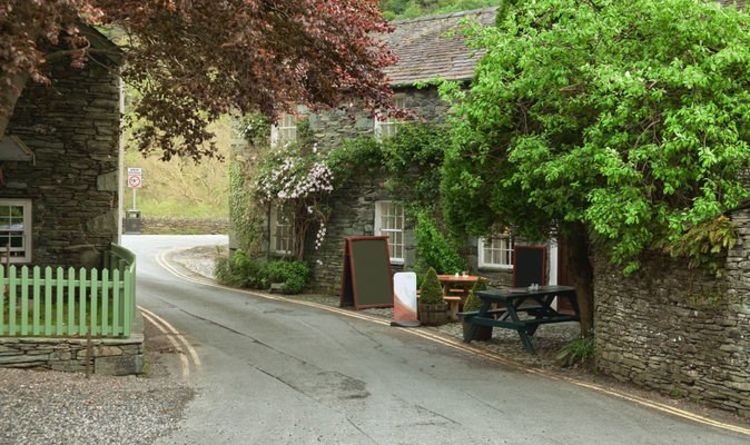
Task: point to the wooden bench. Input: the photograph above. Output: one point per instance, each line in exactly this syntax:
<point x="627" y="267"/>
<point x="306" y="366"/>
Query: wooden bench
<point x="453" y="305"/>
<point x="494" y="312"/>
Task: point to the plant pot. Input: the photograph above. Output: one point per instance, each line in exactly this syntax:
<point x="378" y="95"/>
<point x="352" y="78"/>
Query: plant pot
<point x="483" y="333"/>
<point x="433" y="314"/>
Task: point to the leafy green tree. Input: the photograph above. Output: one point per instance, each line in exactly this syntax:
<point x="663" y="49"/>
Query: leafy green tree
<point x="621" y="124"/>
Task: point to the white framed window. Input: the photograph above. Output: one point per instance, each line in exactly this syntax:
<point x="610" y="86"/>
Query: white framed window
<point x="387" y="127"/>
<point x="281" y="230"/>
<point x="389" y="221"/>
<point x="496" y="252"/>
<point x="15" y="230"/>
<point x="285" y="130"/>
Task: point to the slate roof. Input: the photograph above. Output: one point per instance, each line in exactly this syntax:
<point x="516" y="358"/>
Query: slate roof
<point x="430" y="47"/>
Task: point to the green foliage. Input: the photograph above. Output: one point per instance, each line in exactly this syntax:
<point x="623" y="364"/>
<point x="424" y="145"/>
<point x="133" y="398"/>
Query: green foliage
<point x="235" y="270"/>
<point x="244" y="271"/>
<point x="244" y="213"/>
<point x="256" y="129"/>
<point x="473" y="303"/>
<point x="407" y="9"/>
<point x="435" y="250"/>
<point x="293" y="274"/>
<point x="412" y="159"/>
<point x="431" y="292"/>
<point x="354" y="157"/>
<point x="702" y="243"/>
<point x="631" y="117"/>
<point x="580" y="350"/>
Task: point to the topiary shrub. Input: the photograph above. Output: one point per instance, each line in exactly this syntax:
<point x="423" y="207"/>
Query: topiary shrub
<point x="431" y="292"/>
<point x="473" y="303"/>
<point x="432" y="309"/>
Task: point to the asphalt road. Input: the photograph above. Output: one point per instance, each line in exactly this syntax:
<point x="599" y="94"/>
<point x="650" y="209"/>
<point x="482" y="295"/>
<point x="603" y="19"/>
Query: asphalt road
<point x="273" y="372"/>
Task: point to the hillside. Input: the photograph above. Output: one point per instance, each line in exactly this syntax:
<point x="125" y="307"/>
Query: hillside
<point x="408" y="9"/>
<point x="181" y="188"/>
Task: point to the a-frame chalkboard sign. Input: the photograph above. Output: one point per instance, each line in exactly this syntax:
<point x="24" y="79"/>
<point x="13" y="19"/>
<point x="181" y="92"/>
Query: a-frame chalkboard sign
<point x="367" y="280"/>
<point x="529" y="265"/>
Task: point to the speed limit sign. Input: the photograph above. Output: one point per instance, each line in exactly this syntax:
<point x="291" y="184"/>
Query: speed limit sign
<point x="134" y="182"/>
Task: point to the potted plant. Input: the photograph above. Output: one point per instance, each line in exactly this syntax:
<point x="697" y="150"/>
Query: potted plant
<point x="433" y="311"/>
<point x="473" y="303"/>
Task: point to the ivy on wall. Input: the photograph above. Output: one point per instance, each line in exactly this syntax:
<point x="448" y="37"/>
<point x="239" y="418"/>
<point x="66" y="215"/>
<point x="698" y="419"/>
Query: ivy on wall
<point x="244" y="213"/>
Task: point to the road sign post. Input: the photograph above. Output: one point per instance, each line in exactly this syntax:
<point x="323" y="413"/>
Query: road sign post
<point x="135" y="181"/>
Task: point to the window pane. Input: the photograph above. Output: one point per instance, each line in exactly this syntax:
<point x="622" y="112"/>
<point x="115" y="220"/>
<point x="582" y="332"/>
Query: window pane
<point x="16" y="241"/>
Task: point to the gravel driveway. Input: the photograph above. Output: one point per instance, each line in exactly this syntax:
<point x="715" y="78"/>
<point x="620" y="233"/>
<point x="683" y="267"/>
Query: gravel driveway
<point x="46" y="407"/>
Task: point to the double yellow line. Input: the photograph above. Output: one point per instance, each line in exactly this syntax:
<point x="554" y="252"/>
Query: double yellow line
<point x="469" y="349"/>
<point x="181" y="345"/>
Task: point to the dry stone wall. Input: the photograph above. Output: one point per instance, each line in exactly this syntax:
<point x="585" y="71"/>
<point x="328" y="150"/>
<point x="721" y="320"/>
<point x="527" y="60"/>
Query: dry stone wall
<point x="72" y="127"/>
<point x="109" y="356"/>
<point x="677" y="330"/>
<point x="184" y="226"/>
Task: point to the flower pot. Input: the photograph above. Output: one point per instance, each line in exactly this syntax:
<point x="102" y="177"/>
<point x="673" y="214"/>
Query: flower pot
<point x="433" y="314"/>
<point x="483" y="333"/>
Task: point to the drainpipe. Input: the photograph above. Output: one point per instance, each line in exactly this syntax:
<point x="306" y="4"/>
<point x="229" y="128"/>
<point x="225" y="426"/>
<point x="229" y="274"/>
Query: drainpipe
<point x="120" y="161"/>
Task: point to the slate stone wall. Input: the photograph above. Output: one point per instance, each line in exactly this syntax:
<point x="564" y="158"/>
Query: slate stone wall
<point x="186" y="226"/>
<point x="677" y="330"/>
<point x="72" y="127"/>
<point x="109" y="356"/>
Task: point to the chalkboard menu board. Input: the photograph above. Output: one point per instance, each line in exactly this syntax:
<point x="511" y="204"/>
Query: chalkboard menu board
<point x="529" y="265"/>
<point x="367" y="280"/>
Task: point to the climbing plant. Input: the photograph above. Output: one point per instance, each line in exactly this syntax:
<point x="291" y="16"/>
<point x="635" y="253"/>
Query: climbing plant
<point x="296" y="177"/>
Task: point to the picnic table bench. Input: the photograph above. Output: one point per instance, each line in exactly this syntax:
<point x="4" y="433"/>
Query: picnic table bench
<point x="511" y="302"/>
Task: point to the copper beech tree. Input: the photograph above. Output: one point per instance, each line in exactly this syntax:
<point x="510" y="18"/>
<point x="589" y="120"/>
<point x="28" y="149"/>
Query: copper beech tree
<point x="192" y="60"/>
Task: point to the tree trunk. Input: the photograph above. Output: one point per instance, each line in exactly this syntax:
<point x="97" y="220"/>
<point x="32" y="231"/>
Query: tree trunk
<point x="582" y="274"/>
<point x="9" y="99"/>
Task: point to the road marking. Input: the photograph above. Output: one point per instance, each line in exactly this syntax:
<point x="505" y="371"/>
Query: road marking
<point x="466" y="348"/>
<point x="193" y="353"/>
<point x="178" y="349"/>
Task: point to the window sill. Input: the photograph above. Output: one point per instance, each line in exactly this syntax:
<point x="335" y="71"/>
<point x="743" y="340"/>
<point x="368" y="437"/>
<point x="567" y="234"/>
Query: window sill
<point x="495" y="268"/>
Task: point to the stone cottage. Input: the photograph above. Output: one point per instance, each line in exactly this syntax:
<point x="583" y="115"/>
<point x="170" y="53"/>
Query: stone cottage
<point x="59" y="164"/>
<point x="428" y="48"/>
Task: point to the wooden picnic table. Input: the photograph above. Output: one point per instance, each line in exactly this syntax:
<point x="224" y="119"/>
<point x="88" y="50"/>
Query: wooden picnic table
<point x="457" y="285"/>
<point x="536" y="303"/>
<point x="456" y="289"/>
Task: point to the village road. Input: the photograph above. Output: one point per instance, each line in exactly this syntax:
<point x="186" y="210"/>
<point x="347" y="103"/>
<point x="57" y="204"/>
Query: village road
<point x="273" y="373"/>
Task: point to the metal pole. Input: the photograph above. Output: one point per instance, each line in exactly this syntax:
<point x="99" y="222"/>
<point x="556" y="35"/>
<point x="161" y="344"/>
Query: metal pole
<point x="134" y="189"/>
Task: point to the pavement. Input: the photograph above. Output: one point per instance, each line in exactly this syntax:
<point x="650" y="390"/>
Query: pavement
<point x="273" y="372"/>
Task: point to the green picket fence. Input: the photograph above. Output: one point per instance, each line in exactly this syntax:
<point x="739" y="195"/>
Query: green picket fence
<point x="70" y="303"/>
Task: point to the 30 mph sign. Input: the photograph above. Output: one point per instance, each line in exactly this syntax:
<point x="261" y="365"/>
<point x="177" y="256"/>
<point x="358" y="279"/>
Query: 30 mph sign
<point x="135" y="178"/>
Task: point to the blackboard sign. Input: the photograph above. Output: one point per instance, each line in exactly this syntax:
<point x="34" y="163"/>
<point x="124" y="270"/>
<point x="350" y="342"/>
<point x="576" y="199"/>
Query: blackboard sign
<point x="367" y="280"/>
<point x="529" y="265"/>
